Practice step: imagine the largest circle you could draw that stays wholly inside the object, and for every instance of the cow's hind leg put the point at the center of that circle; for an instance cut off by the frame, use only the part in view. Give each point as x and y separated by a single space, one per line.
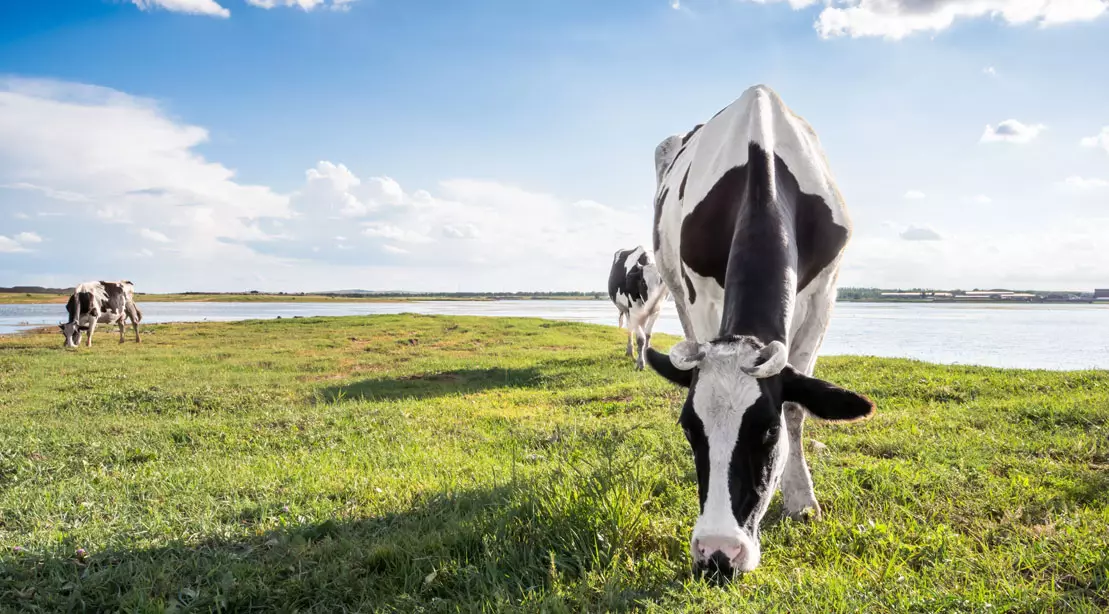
135 315
631 334
121 323
637 323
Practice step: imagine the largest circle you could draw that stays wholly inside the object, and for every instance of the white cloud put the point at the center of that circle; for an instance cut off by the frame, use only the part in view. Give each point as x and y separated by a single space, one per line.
989 70
896 19
392 249
461 231
920 233
9 246
981 199
119 158
61 195
19 242
305 5
1100 140
153 235
1083 183
1069 254
914 195
193 7
19 215
1011 131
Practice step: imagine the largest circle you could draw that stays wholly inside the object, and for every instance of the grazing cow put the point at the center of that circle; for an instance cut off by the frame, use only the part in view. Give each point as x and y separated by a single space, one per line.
100 302
749 231
636 289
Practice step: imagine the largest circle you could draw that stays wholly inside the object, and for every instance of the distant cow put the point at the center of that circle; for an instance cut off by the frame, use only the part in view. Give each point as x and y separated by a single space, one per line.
636 288
749 232
100 302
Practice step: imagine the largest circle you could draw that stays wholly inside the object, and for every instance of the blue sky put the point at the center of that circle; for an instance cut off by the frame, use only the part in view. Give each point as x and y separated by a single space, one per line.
505 145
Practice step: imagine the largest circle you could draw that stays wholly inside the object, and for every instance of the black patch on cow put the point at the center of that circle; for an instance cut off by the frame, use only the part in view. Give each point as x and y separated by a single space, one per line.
698 440
738 236
690 290
112 288
681 187
629 282
752 457
658 216
823 399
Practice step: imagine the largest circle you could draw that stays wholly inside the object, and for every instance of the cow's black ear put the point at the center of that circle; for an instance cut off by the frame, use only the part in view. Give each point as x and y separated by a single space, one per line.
823 399
661 364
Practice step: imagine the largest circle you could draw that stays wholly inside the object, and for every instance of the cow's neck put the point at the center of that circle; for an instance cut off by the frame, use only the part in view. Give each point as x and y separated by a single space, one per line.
760 281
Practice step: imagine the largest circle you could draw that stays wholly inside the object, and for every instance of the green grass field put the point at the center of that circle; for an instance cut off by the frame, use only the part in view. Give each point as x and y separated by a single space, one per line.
439 464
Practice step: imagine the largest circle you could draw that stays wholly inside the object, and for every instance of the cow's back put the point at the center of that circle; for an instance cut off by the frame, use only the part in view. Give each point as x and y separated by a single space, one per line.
754 153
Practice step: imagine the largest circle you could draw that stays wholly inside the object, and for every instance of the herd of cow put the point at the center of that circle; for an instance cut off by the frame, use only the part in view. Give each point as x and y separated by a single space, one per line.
749 230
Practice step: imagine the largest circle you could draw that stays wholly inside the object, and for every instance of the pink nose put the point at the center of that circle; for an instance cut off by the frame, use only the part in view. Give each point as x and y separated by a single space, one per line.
730 548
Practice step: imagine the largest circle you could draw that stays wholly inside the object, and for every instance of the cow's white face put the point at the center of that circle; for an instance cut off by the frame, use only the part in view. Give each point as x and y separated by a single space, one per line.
72 333
734 423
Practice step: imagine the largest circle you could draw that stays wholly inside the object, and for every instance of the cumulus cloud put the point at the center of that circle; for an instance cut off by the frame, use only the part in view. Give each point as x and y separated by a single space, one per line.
980 199
153 235
305 5
18 243
192 7
1075 182
920 233
989 70
896 19
1011 131
105 153
914 195
1100 140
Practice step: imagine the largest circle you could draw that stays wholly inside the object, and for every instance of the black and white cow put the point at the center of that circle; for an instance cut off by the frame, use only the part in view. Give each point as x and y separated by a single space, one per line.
749 232
636 288
100 302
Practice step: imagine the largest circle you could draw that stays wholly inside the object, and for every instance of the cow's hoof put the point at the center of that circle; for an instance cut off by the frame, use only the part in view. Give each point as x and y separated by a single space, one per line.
806 514
629 353
639 366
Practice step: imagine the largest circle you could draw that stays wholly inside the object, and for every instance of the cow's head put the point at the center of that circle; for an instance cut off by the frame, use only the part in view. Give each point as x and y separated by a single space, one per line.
72 333
734 422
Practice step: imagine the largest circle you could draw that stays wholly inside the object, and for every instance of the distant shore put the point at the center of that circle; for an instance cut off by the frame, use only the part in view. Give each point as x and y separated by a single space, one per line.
14 298
17 298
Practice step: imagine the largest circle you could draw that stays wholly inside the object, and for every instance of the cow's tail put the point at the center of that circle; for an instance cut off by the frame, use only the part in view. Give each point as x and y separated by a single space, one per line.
138 312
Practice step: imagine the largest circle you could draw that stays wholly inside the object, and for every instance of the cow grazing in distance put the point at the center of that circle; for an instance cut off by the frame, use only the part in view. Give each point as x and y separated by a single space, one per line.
100 302
636 288
749 232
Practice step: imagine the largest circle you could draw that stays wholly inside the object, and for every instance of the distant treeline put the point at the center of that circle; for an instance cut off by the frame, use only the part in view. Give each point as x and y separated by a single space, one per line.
35 290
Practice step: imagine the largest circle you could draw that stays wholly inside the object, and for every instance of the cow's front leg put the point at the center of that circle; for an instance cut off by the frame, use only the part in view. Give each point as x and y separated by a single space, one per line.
92 329
121 330
798 497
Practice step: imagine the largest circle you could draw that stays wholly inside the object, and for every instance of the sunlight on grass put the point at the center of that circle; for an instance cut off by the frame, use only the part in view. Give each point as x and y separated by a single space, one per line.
423 463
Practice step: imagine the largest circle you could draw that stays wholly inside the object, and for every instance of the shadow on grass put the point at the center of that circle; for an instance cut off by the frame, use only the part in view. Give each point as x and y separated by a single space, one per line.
428 385
525 547
461 381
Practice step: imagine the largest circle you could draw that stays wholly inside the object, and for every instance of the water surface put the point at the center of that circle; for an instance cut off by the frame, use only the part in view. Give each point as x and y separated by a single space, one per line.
1041 336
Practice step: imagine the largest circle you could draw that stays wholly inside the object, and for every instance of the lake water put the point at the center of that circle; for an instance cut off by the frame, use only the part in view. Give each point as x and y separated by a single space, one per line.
1040 336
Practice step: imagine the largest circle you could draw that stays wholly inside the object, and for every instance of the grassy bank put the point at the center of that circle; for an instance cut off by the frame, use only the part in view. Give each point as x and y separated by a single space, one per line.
420 463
